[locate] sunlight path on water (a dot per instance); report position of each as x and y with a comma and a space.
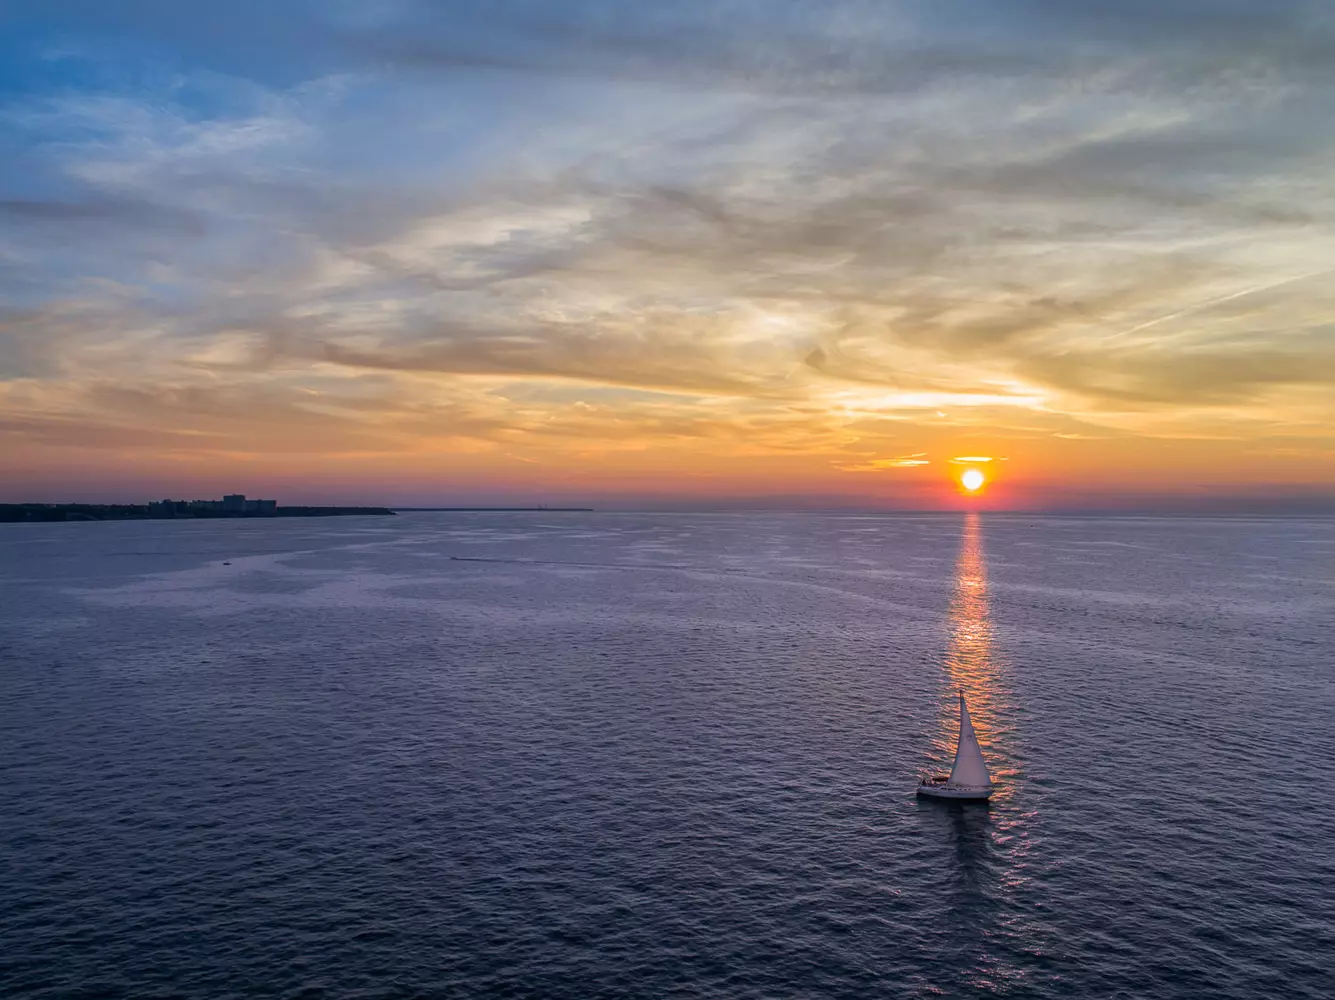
971, 665
991, 840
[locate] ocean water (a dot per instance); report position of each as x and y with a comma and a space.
617, 755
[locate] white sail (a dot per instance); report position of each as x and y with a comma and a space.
970, 768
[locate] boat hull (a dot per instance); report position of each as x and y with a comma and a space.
956, 793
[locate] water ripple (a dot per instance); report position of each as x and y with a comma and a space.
665, 756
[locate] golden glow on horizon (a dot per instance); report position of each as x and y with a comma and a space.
972, 480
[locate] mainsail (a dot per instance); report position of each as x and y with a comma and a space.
970, 768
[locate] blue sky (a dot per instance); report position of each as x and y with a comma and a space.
519, 250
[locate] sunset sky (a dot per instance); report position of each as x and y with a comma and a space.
691, 253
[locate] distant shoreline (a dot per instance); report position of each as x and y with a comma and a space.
46, 513
493, 510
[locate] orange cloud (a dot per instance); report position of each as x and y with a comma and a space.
881, 464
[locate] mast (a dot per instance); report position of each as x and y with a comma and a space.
970, 768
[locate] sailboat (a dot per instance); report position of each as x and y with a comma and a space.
968, 779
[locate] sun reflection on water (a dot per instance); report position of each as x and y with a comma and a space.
971, 666
992, 843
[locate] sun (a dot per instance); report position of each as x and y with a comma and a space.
972, 480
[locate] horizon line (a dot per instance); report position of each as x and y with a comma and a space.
1281, 507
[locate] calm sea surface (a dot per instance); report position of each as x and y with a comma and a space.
616, 755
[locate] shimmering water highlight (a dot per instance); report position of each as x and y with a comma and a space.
617, 755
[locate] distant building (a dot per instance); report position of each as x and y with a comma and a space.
232, 505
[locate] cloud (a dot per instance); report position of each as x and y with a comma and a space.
1150, 378
882, 464
1063, 224
118, 212
851, 46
